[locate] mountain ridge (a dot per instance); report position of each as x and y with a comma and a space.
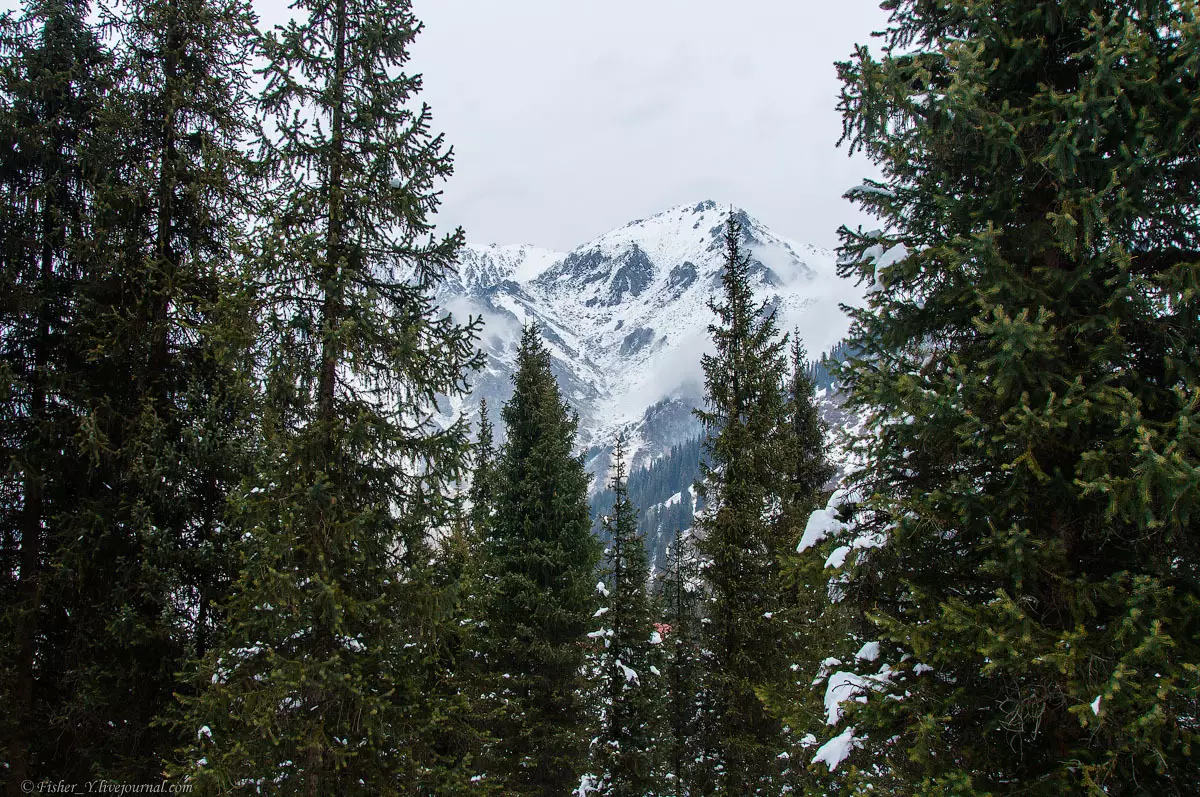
625, 317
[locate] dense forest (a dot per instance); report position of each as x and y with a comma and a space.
664, 496
664, 490
240, 555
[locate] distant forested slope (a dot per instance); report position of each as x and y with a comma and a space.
662, 492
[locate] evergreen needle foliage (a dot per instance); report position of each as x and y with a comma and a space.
682, 602
741, 487
483, 478
53, 77
541, 564
807, 468
128, 187
628, 739
802, 599
1028, 367
328, 679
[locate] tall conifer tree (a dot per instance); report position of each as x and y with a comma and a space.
167, 392
1028, 367
628, 740
458, 675
682, 602
483, 478
741, 486
807, 468
147, 403
542, 561
801, 588
814, 624
54, 74
321, 685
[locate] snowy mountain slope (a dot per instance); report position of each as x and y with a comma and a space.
482, 266
626, 317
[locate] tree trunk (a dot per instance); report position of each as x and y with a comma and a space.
32, 512
331, 309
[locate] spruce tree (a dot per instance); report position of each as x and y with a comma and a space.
450, 739
741, 487
801, 588
143, 391
321, 682
542, 562
807, 469
457, 675
168, 391
682, 602
627, 742
54, 74
484, 475
1027, 367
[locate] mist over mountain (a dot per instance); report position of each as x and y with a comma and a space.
625, 317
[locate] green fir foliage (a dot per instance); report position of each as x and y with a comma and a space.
483, 477
129, 151
681, 599
54, 74
628, 741
746, 413
1027, 368
330, 675
542, 562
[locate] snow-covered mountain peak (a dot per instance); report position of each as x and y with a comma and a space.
626, 315
679, 231
670, 251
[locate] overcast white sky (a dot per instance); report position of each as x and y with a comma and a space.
571, 117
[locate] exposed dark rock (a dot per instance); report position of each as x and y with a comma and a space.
636, 341
681, 277
635, 274
717, 232
584, 268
